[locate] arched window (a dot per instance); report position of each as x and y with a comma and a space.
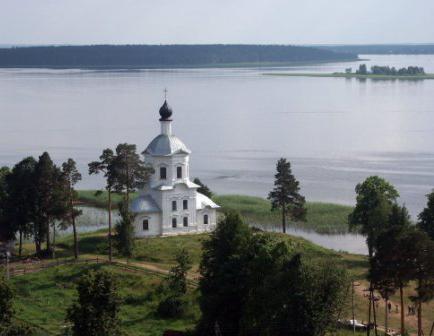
174, 222
185, 221
145, 224
163, 173
205, 219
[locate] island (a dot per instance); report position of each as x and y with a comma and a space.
376, 72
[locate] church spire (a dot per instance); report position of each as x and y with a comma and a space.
165, 110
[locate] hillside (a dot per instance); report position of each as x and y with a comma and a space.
163, 56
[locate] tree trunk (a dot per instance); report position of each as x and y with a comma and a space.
401, 297
110, 224
368, 330
54, 241
283, 219
48, 238
74, 229
419, 318
386, 315
375, 312
20, 248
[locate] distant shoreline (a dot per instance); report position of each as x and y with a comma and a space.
245, 65
353, 75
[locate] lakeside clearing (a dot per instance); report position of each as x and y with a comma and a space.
42, 297
353, 75
324, 218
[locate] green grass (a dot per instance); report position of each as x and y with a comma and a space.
321, 217
353, 75
89, 197
43, 298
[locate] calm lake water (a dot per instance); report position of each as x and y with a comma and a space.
237, 122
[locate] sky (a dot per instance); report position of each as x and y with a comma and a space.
216, 21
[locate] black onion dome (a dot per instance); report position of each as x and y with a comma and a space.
165, 111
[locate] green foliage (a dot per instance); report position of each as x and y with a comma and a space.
96, 311
291, 297
130, 172
6, 296
286, 194
9, 327
374, 202
223, 284
426, 217
203, 188
124, 237
175, 288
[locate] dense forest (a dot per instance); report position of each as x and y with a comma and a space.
153, 56
383, 49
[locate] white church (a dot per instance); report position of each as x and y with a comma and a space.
170, 203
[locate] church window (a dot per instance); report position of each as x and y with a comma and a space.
145, 225
179, 172
163, 173
174, 222
185, 221
185, 204
205, 219
174, 207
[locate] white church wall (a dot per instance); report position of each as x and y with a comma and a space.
154, 225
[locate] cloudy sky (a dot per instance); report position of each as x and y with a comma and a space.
216, 21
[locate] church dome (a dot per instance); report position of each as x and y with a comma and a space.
165, 145
165, 111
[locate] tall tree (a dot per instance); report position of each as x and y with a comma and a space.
203, 189
223, 283
105, 165
173, 304
124, 237
426, 217
374, 202
7, 231
71, 176
50, 200
286, 194
21, 202
130, 171
96, 311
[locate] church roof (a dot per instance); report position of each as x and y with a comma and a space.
203, 201
144, 203
166, 145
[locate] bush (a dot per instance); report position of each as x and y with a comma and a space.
172, 307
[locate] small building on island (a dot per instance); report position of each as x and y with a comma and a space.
170, 204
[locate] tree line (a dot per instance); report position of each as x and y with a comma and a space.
399, 252
37, 197
389, 71
144, 56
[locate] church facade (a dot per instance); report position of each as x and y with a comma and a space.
170, 204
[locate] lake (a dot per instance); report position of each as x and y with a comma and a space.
237, 122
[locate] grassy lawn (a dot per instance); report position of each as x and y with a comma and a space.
321, 217
43, 298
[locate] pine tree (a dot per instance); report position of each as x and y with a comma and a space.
105, 165
203, 189
286, 194
426, 217
96, 311
71, 176
124, 237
